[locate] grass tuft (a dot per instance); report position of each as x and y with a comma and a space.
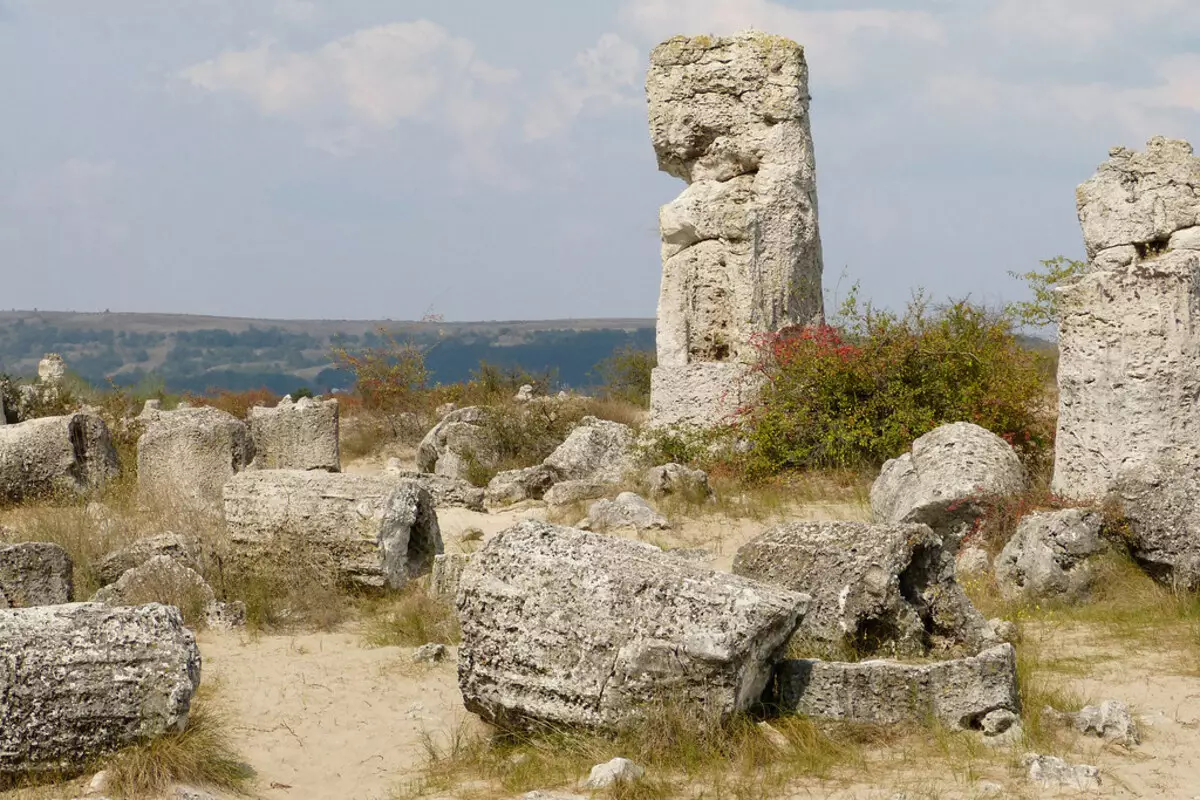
409, 619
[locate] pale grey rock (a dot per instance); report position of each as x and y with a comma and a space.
1186, 239
517, 485
51, 455
1158, 503
1128, 373
447, 572
876, 589
1002, 630
151, 407
181, 549
161, 579
225, 616
1111, 721
1051, 772
447, 492
457, 441
568, 627
626, 511
52, 370
618, 770
774, 736
372, 532
83, 680
431, 653
1051, 555
567, 493
703, 394
596, 450
669, 480
998, 722
943, 481
1140, 199
524, 394
1114, 258
186, 456
300, 435
972, 561
35, 574
958, 693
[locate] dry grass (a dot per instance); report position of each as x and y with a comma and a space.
411, 618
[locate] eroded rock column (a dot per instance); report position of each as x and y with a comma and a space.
741, 248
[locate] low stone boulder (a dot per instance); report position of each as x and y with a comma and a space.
446, 492
371, 532
83, 680
669, 480
182, 550
568, 493
55, 455
447, 572
455, 443
626, 511
569, 627
1051, 772
299, 435
597, 450
960, 694
943, 481
186, 456
35, 574
1158, 503
1051, 555
517, 485
164, 580
972, 561
1110, 721
876, 589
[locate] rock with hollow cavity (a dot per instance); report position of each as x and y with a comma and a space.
81, 681
576, 628
300, 435
626, 511
186, 456
55, 455
1050, 555
372, 532
943, 481
35, 574
740, 246
596, 450
958, 693
876, 589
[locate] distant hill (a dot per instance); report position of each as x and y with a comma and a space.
190, 353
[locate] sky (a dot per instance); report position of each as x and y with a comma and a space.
485, 160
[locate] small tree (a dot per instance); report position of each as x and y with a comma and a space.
389, 378
626, 374
1043, 309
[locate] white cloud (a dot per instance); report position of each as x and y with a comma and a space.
1089, 25
838, 44
605, 76
297, 11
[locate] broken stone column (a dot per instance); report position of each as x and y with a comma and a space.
186, 456
53, 455
1129, 332
740, 246
300, 435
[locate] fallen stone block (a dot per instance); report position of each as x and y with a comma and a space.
959, 693
457, 442
626, 511
1050, 555
300, 435
1051, 772
446, 492
179, 548
83, 680
1162, 520
596, 450
370, 532
570, 492
669, 480
517, 485
447, 572
35, 574
186, 456
55, 455
569, 627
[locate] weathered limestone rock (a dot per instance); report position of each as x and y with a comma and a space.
1051, 772
1138, 201
1128, 372
372, 532
300, 435
52, 370
455, 443
626, 511
568, 627
514, 486
447, 492
432, 653
35, 574
1158, 503
942, 480
161, 579
83, 680
618, 770
1049, 555
959, 693
675, 479
1111, 721
181, 549
71, 453
876, 589
597, 450
186, 456
524, 394
972, 561
447, 573
741, 247
569, 492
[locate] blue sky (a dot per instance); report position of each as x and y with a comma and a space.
490, 160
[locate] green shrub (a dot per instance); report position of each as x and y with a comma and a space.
858, 393
626, 374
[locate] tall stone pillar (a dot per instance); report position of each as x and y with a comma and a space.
741, 249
